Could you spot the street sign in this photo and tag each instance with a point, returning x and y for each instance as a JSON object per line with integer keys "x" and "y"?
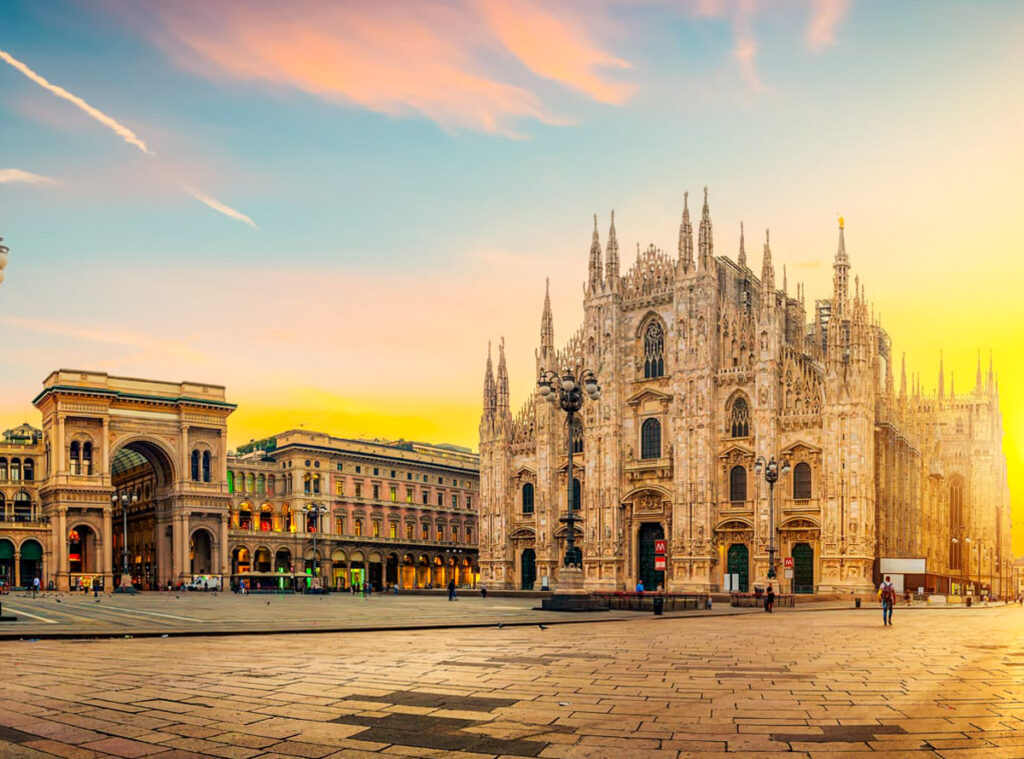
{"x": 659, "y": 563}
{"x": 787, "y": 562}
{"x": 789, "y": 574}
{"x": 659, "y": 547}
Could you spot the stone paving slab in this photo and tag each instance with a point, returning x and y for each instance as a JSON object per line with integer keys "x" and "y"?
{"x": 831, "y": 684}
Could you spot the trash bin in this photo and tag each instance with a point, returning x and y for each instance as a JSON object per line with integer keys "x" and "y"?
{"x": 969, "y": 599}
{"x": 659, "y": 605}
{"x": 856, "y": 603}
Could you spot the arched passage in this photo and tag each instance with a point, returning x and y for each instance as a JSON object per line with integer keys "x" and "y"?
{"x": 201, "y": 552}
{"x": 7, "y": 562}
{"x": 30, "y": 563}
{"x": 142, "y": 474}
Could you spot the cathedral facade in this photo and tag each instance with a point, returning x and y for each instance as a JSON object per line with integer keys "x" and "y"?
{"x": 706, "y": 367}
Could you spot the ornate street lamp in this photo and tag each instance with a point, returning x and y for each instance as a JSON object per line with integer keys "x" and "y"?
{"x": 124, "y": 498}
{"x": 771, "y": 470}
{"x": 316, "y": 510}
{"x": 566, "y": 392}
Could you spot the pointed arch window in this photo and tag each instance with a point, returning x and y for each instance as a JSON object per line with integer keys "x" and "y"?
{"x": 738, "y": 484}
{"x": 739, "y": 419}
{"x": 650, "y": 439}
{"x": 206, "y": 466}
{"x": 654, "y": 351}
{"x": 577, "y": 435}
{"x": 577, "y": 494}
{"x": 528, "y": 498}
{"x": 195, "y": 465}
{"x": 802, "y": 481}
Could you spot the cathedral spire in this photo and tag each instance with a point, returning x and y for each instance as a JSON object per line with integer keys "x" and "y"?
{"x": 785, "y": 285}
{"x": 767, "y": 275}
{"x": 840, "y": 275}
{"x": 686, "y": 236}
{"x": 490, "y": 391}
{"x": 595, "y": 259}
{"x": 705, "y": 243}
{"x": 903, "y": 378}
{"x": 612, "y": 256}
{"x": 742, "y": 258}
{"x": 547, "y": 328}
{"x": 502, "y": 389}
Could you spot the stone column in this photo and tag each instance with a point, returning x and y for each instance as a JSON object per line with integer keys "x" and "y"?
{"x": 185, "y": 470}
{"x": 225, "y": 552}
{"x": 108, "y": 550}
{"x": 59, "y": 451}
{"x": 105, "y": 450}
{"x": 17, "y": 568}
{"x": 61, "y": 546}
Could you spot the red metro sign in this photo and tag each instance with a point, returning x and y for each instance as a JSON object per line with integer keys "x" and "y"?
{"x": 659, "y": 547}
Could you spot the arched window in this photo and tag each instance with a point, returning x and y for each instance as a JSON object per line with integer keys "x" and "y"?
{"x": 87, "y": 458}
{"x": 245, "y": 516}
{"x": 650, "y": 439}
{"x": 206, "y": 466}
{"x": 195, "y": 465}
{"x": 577, "y": 435}
{"x": 22, "y": 507}
{"x": 3, "y": 467}
{"x": 16, "y": 470}
{"x": 576, "y": 494}
{"x": 249, "y": 482}
{"x": 316, "y": 483}
{"x": 261, "y": 484}
{"x": 306, "y": 484}
{"x": 528, "y": 498}
{"x": 231, "y": 481}
{"x": 271, "y": 485}
{"x": 30, "y": 470}
{"x": 739, "y": 421}
{"x": 738, "y": 484}
{"x": 74, "y": 457}
{"x": 802, "y": 481}
{"x": 357, "y": 528}
{"x": 654, "y": 351}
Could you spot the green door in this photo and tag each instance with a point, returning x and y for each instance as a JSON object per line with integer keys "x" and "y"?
{"x": 651, "y": 578}
{"x": 528, "y": 569}
{"x": 738, "y": 563}
{"x": 803, "y": 568}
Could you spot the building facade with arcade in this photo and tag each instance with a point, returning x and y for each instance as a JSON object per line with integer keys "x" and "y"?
{"x": 705, "y": 368}
{"x": 132, "y": 481}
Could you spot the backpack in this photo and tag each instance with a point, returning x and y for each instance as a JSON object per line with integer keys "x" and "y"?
{"x": 889, "y": 592}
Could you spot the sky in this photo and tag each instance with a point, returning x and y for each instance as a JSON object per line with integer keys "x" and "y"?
{"x": 331, "y": 208}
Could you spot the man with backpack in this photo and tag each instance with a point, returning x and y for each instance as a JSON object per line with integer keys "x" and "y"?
{"x": 887, "y": 594}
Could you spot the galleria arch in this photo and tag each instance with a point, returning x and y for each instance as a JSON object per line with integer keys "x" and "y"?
{"x": 122, "y": 450}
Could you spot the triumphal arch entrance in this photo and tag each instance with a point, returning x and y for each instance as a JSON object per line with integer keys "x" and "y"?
{"x": 134, "y": 482}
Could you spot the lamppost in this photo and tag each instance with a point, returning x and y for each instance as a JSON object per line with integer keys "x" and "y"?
{"x": 964, "y": 562}
{"x": 771, "y": 470}
{"x": 316, "y": 510}
{"x": 124, "y": 498}
{"x": 566, "y": 392}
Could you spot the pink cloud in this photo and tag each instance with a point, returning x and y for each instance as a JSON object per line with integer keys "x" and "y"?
{"x": 433, "y": 59}
{"x": 825, "y": 18}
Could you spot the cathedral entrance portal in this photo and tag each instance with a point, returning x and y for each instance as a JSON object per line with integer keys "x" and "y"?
{"x": 738, "y": 565}
{"x": 528, "y": 569}
{"x": 803, "y": 568}
{"x": 651, "y": 577}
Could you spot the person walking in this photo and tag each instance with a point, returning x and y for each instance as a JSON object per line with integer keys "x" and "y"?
{"x": 451, "y": 590}
{"x": 887, "y": 595}
{"x": 483, "y": 592}
{"x": 35, "y": 587}
{"x": 769, "y": 599}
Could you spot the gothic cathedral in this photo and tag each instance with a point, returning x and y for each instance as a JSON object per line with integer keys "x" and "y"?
{"x": 704, "y": 368}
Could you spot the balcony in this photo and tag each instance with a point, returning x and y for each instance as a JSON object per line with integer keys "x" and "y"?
{"x": 27, "y": 521}
{"x": 649, "y": 469}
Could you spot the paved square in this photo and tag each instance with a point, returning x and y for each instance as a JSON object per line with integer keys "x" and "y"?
{"x": 817, "y": 683}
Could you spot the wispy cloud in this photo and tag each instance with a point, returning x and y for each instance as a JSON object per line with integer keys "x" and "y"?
{"x": 464, "y": 64}
{"x": 148, "y": 343}
{"x": 825, "y": 18}
{"x": 11, "y": 176}
{"x": 16, "y": 175}
{"x": 116, "y": 126}
{"x": 219, "y": 207}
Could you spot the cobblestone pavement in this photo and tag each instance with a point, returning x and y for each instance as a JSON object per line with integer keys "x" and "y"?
{"x": 943, "y": 683}
{"x": 77, "y": 614}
